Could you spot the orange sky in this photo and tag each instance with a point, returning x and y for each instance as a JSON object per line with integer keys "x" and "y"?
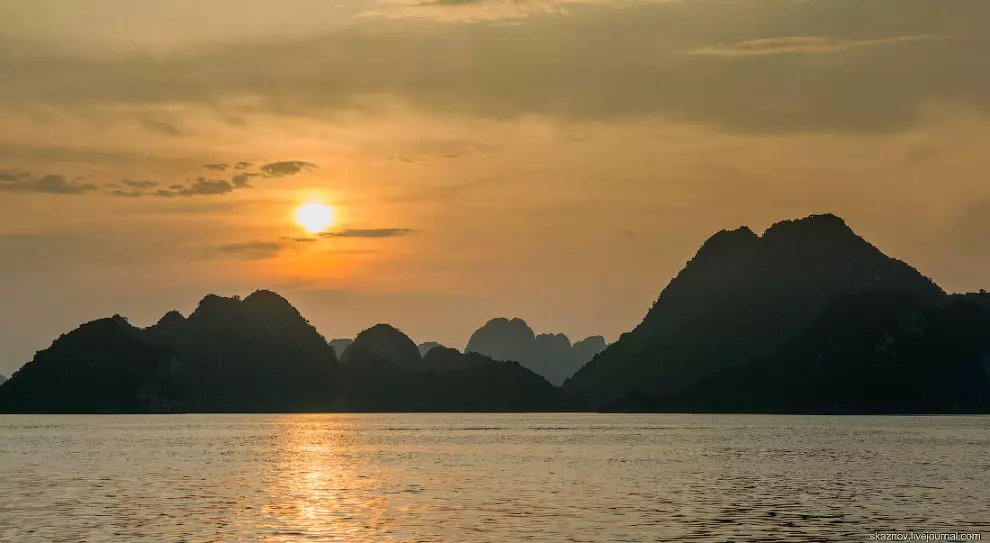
{"x": 555, "y": 160}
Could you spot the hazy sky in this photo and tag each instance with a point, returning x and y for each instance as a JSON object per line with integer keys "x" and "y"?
{"x": 556, "y": 160}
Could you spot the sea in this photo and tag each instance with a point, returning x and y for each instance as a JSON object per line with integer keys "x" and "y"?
{"x": 492, "y": 478}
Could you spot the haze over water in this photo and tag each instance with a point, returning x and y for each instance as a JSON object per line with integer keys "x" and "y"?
{"x": 473, "y": 478}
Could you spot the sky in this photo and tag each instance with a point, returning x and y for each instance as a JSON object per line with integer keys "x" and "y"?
{"x": 554, "y": 160}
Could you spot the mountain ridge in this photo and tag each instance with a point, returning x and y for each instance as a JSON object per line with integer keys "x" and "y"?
{"x": 808, "y": 317}
{"x": 741, "y": 297}
{"x": 549, "y": 355}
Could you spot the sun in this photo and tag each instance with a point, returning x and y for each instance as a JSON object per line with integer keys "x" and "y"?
{"x": 314, "y": 217}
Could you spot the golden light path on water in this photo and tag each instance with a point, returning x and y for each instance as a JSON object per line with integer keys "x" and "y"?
{"x": 478, "y": 478}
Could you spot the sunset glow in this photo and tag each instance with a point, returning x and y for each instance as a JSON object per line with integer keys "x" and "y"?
{"x": 434, "y": 166}
{"x": 314, "y": 217}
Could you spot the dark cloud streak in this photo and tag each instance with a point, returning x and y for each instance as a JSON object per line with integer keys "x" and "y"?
{"x": 200, "y": 187}
{"x": 248, "y": 250}
{"x": 286, "y": 168}
{"x": 17, "y": 181}
{"x": 140, "y": 185}
{"x": 368, "y": 233}
{"x": 241, "y": 180}
{"x": 21, "y": 182}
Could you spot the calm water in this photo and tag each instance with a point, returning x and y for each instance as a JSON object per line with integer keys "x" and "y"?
{"x": 491, "y": 478}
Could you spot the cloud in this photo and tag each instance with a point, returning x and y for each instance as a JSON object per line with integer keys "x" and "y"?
{"x": 248, "y": 250}
{"x": 473, "y": 11}
{"x": 424, "y": 158}
{"x": 242, "y": 165}
{"x": 368, "y": 233}
{"x": 256, "y": 249}
{"x": 21, "y": 182}
{"x": 433, "y": 150}
{"x": 241, "y": 180}
{"x": 140, "y": 185}
{"x": 628, "y": 63}
{"x": 286, "y": 168}
{"x": 8, "y": 176}
{"x": 127, "y": 193}
{"x": 799, "y": 44}
{"x": 199, "y": 187}
{"x": 452, "y": 2}
{"x": 210, "y": 186}
{"x": 159, "y": 125}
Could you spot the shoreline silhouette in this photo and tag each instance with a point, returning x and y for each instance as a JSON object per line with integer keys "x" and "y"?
{"x": 806, "y": 318}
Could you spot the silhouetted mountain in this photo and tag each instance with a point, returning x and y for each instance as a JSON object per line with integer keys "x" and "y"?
{"x": 253, "y": 355}
{"x": 339, "y": 345}
{"x": 104, "y": 366}
{"x": 382, "y": 374}
{"x": 549, "y": 355}
{"x": 502, "y": 339}
{"x": 169, "y": 327}
{"x": 383, "y": 345}
{"x": 425, "y": 348}
{"x": 587, "y": 348}
{"x": 808, "y": 317}
{"x": 447, "y": 359}
{"x": 868, "y": 353}
{"x": 3, "y": 379}
{"x": 741, "y": 298}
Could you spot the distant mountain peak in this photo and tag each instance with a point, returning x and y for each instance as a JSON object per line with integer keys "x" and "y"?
{"x": 549, "y": 355}
{"x": 820, "y": 220}
{"x": 380, "y": 329}
{"x": 811, "y": 227}
{"x": 262, "y": 306}
{"x": 339, "y": 345}
{"x": 555, "y": 340}
{"x": 383, "y": 343}
{"x": 425, "y": 348}
{"x": 168, "y": 327}
{"x": 271, "y": 306}
{"x": 514, "y": 322}
{"x": 502, "y": 339}
{"x": 504, "y": 322}
{"x": 726, "y": 244}
{"x": 726, "y": 237}
{"x": 214, "y": 303}
{"x": 106, "y": 324}
{"x": 216, "y": 298}
{"x": 740, "y": 298}
{"x": 171, "y": 318}
{"x": 105, "y": 365}
{"x": 266, "y": 297}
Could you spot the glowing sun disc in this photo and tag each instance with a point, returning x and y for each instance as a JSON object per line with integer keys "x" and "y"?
{"x": 314, "y": 217}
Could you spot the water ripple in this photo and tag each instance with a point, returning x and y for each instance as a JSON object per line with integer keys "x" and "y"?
{"x": 475, "y": 478}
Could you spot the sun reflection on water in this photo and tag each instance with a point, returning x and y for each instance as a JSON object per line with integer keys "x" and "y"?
{"x": 481, "y": 478}
{"x": 311, "y": 478}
